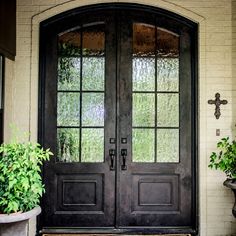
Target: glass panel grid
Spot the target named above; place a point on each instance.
(81, 77)
(162, 82)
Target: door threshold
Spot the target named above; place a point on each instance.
(116, 232)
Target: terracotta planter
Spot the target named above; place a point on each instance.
(17, 224)
(230, 183)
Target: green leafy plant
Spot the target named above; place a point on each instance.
(225, 158)
(20, 181)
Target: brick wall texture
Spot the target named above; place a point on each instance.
(217, 73)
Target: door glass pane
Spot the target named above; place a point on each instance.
(143, 109)
(168, 110)
(93, 40)
(167, 74)
(69, 43)
(167, 145)
(93, 73)
(68, 144)
(143, 145)
(167, 43)
(93, 109)
(143, 39)
(143, 74)
(92, 145)
(68, 109)
(68, 73)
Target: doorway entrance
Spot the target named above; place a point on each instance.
(118, 111)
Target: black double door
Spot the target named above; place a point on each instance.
(117, 111)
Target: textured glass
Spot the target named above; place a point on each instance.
(92, 145)
(143, 74)
(69, 44)
(167, 145)
(167, 43)
(143, 145)
(168, 110)
(94, 40)
(93, 73)
(68, 73)
(68, 144)
(93, 109)
(143, 109)
(168, 74)
(68, 109)
(143, 39)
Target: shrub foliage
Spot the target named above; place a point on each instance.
(20, 181)
(225, 158)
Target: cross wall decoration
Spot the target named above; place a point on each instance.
(217, 102)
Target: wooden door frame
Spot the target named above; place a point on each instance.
(194, 108)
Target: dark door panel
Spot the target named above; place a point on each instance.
(118, 110)
(80, 185)
(155, 103)
(78, 196)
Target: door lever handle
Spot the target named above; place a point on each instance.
(124, 156)
(112, 157)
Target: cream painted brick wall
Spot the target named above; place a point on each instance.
(217, 73)
(8, 100)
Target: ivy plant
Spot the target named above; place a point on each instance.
(20, 181)
(225, 158)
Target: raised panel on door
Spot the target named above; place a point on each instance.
(79, 121)
(156, 186)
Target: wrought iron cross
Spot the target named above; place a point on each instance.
(217, 102)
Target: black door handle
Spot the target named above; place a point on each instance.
(123, 156)
(112, 157)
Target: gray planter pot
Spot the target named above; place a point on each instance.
(17, 224)
(231, 183)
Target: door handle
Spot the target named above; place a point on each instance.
(124, 156)
(112, 157)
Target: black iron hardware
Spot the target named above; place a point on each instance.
(112, 157)
(123, 140)
(112, 140)
(123, 156)
(217, 102)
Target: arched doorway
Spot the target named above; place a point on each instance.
(118, 109)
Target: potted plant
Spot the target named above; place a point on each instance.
(225, 160)
(20, 185)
